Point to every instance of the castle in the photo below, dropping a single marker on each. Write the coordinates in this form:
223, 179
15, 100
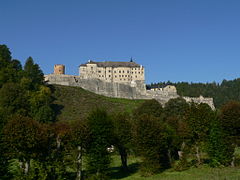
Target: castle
117, 79
120, 72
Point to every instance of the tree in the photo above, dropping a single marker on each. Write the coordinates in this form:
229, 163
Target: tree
219, 150
61, 135
152, 107
122, 136
24, 139
230, 123
13, 100
33, 72
5, 56
151, 141
176, 107
10, 70
198, 119
174, 111
79, 138
40, 105
98, 158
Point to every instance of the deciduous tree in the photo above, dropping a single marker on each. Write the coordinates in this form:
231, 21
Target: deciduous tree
98, 158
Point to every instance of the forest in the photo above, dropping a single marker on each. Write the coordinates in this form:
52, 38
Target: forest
34, 144
220, 92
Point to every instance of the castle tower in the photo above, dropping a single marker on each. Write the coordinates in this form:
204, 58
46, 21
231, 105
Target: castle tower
59, 69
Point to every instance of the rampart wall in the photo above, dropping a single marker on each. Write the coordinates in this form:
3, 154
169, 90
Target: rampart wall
133, 90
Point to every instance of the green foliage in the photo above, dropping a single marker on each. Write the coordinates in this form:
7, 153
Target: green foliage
80, 134
122, 136
151, 107
37, 171
230, 121
98, 157
13, 100
10, 70
176, 107
218, 151
40, 102
151, 142
33, 72
198, 119
5, 56
24, 138
221, 93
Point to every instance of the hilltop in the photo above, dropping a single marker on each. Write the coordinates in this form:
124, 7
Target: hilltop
73, 103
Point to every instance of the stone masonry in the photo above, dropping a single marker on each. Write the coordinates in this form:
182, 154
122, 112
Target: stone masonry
135, 89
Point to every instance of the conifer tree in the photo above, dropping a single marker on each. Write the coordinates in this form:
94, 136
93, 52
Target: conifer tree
33, 72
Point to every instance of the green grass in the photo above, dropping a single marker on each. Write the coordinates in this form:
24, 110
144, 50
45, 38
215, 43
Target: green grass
74, 103
203, 172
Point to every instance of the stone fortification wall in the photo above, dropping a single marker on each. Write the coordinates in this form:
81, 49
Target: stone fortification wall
95, 85
132, 90
201, 99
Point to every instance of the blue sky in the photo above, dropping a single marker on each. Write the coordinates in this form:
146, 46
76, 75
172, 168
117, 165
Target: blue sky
176, 40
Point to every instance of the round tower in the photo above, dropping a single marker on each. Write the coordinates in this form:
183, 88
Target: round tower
59, 69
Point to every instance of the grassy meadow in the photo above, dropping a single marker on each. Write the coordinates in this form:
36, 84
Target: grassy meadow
203, 172
74, 103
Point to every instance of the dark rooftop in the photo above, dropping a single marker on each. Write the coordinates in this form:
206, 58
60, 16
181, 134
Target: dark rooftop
112, 64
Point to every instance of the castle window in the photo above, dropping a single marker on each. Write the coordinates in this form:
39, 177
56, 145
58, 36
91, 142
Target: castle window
132, 72
139, 72
99, 76
127, 71
120, 79
109, 75
99, 71
115, 76
91, 68
115, 71
102, 75
109, 71
136, 76
119, 71
119, 75
125, 75
123, 71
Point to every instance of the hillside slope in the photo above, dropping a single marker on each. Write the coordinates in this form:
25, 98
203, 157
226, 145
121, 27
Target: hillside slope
74, 103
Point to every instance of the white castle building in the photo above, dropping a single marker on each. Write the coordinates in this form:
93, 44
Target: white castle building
120, 72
